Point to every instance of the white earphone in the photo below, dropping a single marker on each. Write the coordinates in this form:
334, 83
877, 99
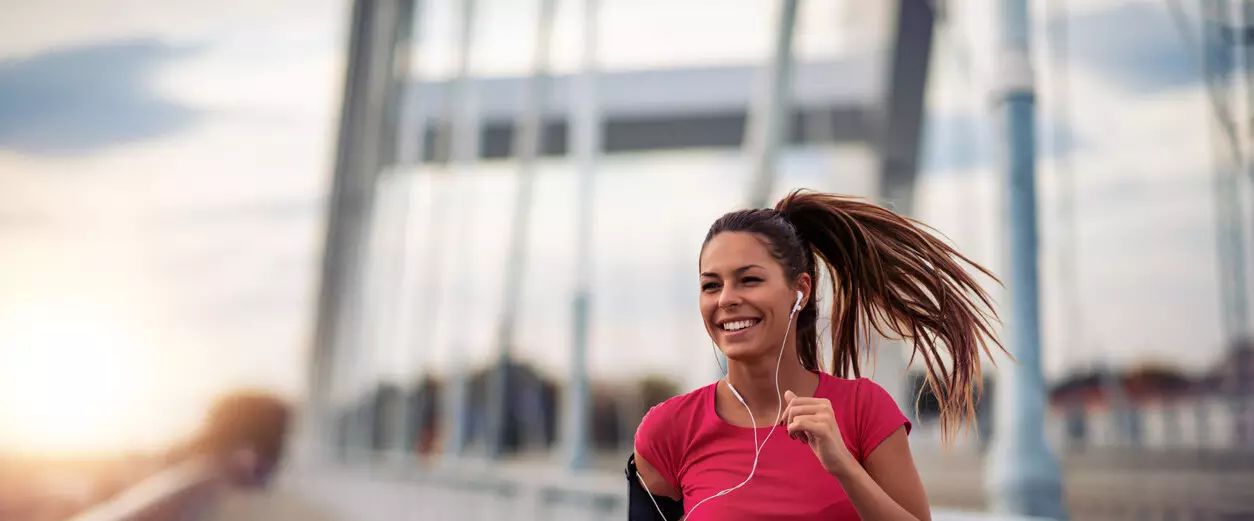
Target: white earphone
796, 306
757, 449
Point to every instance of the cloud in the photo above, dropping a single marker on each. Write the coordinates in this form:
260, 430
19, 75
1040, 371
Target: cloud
78, 100
200, 147
36, 27
1134, 45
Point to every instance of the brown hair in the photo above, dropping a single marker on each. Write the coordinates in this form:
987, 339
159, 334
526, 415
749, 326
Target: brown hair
887, 272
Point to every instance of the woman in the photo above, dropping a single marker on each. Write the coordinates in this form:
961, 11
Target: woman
841, 451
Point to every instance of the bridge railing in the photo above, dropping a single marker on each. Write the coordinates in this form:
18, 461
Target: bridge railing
163, 496
1123, 485
375, 488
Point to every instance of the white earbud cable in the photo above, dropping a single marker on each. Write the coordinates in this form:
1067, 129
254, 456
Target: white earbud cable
757, 449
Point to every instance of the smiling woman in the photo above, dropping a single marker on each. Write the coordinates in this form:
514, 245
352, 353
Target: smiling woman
70, 385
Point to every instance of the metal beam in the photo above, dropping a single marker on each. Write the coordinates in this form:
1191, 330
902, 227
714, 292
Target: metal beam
357, 164
1024, 476
898, 141
902, 117
408, 149
587, 125
458, 144
1219, 61
330, 284
528, 148
766, 130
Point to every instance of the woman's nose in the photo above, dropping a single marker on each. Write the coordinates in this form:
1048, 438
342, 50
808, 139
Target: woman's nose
728, 298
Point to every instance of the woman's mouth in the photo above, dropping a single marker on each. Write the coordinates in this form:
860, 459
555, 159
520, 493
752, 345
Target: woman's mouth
735, 328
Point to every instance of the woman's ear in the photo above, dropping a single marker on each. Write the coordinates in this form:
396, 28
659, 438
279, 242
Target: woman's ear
805, 285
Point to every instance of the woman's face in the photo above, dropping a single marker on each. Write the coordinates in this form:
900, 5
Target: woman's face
745, 296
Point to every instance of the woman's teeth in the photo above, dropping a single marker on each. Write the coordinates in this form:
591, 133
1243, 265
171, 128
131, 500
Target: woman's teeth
739, 324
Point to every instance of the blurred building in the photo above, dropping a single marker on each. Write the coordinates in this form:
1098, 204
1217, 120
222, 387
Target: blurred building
1156, 406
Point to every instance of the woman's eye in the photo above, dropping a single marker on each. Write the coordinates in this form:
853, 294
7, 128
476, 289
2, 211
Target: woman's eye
752, 280
709, 286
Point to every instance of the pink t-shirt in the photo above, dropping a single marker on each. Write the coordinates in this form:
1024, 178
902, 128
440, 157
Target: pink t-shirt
701, 454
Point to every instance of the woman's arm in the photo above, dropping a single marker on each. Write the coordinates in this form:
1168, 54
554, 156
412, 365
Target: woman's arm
886, 487
654, 483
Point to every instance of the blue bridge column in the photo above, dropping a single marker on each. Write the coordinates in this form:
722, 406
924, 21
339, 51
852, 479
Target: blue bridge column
1023, 477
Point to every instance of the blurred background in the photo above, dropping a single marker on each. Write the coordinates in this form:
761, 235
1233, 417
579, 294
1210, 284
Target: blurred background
458, 238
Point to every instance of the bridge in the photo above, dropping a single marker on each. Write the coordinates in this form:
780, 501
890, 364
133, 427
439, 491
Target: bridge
1114, 484
390, 434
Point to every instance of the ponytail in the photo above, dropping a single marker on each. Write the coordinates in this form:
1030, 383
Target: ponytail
889, 274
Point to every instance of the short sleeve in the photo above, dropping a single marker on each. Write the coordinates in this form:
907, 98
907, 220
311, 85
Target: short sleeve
657, 444
878, 417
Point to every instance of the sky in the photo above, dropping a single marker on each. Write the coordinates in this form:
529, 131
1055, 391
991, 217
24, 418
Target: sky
1138, 140
163, 166
165, 163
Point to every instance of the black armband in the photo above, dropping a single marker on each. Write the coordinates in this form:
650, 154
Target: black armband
643, 506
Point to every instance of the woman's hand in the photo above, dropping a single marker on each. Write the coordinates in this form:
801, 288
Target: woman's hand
812, 421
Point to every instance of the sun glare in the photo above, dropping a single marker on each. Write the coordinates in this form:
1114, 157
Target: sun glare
70, 385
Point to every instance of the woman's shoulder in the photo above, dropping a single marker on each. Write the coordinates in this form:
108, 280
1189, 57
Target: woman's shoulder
667, 429
686, 405
857, 388
860, 392
868, 410
681, 410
